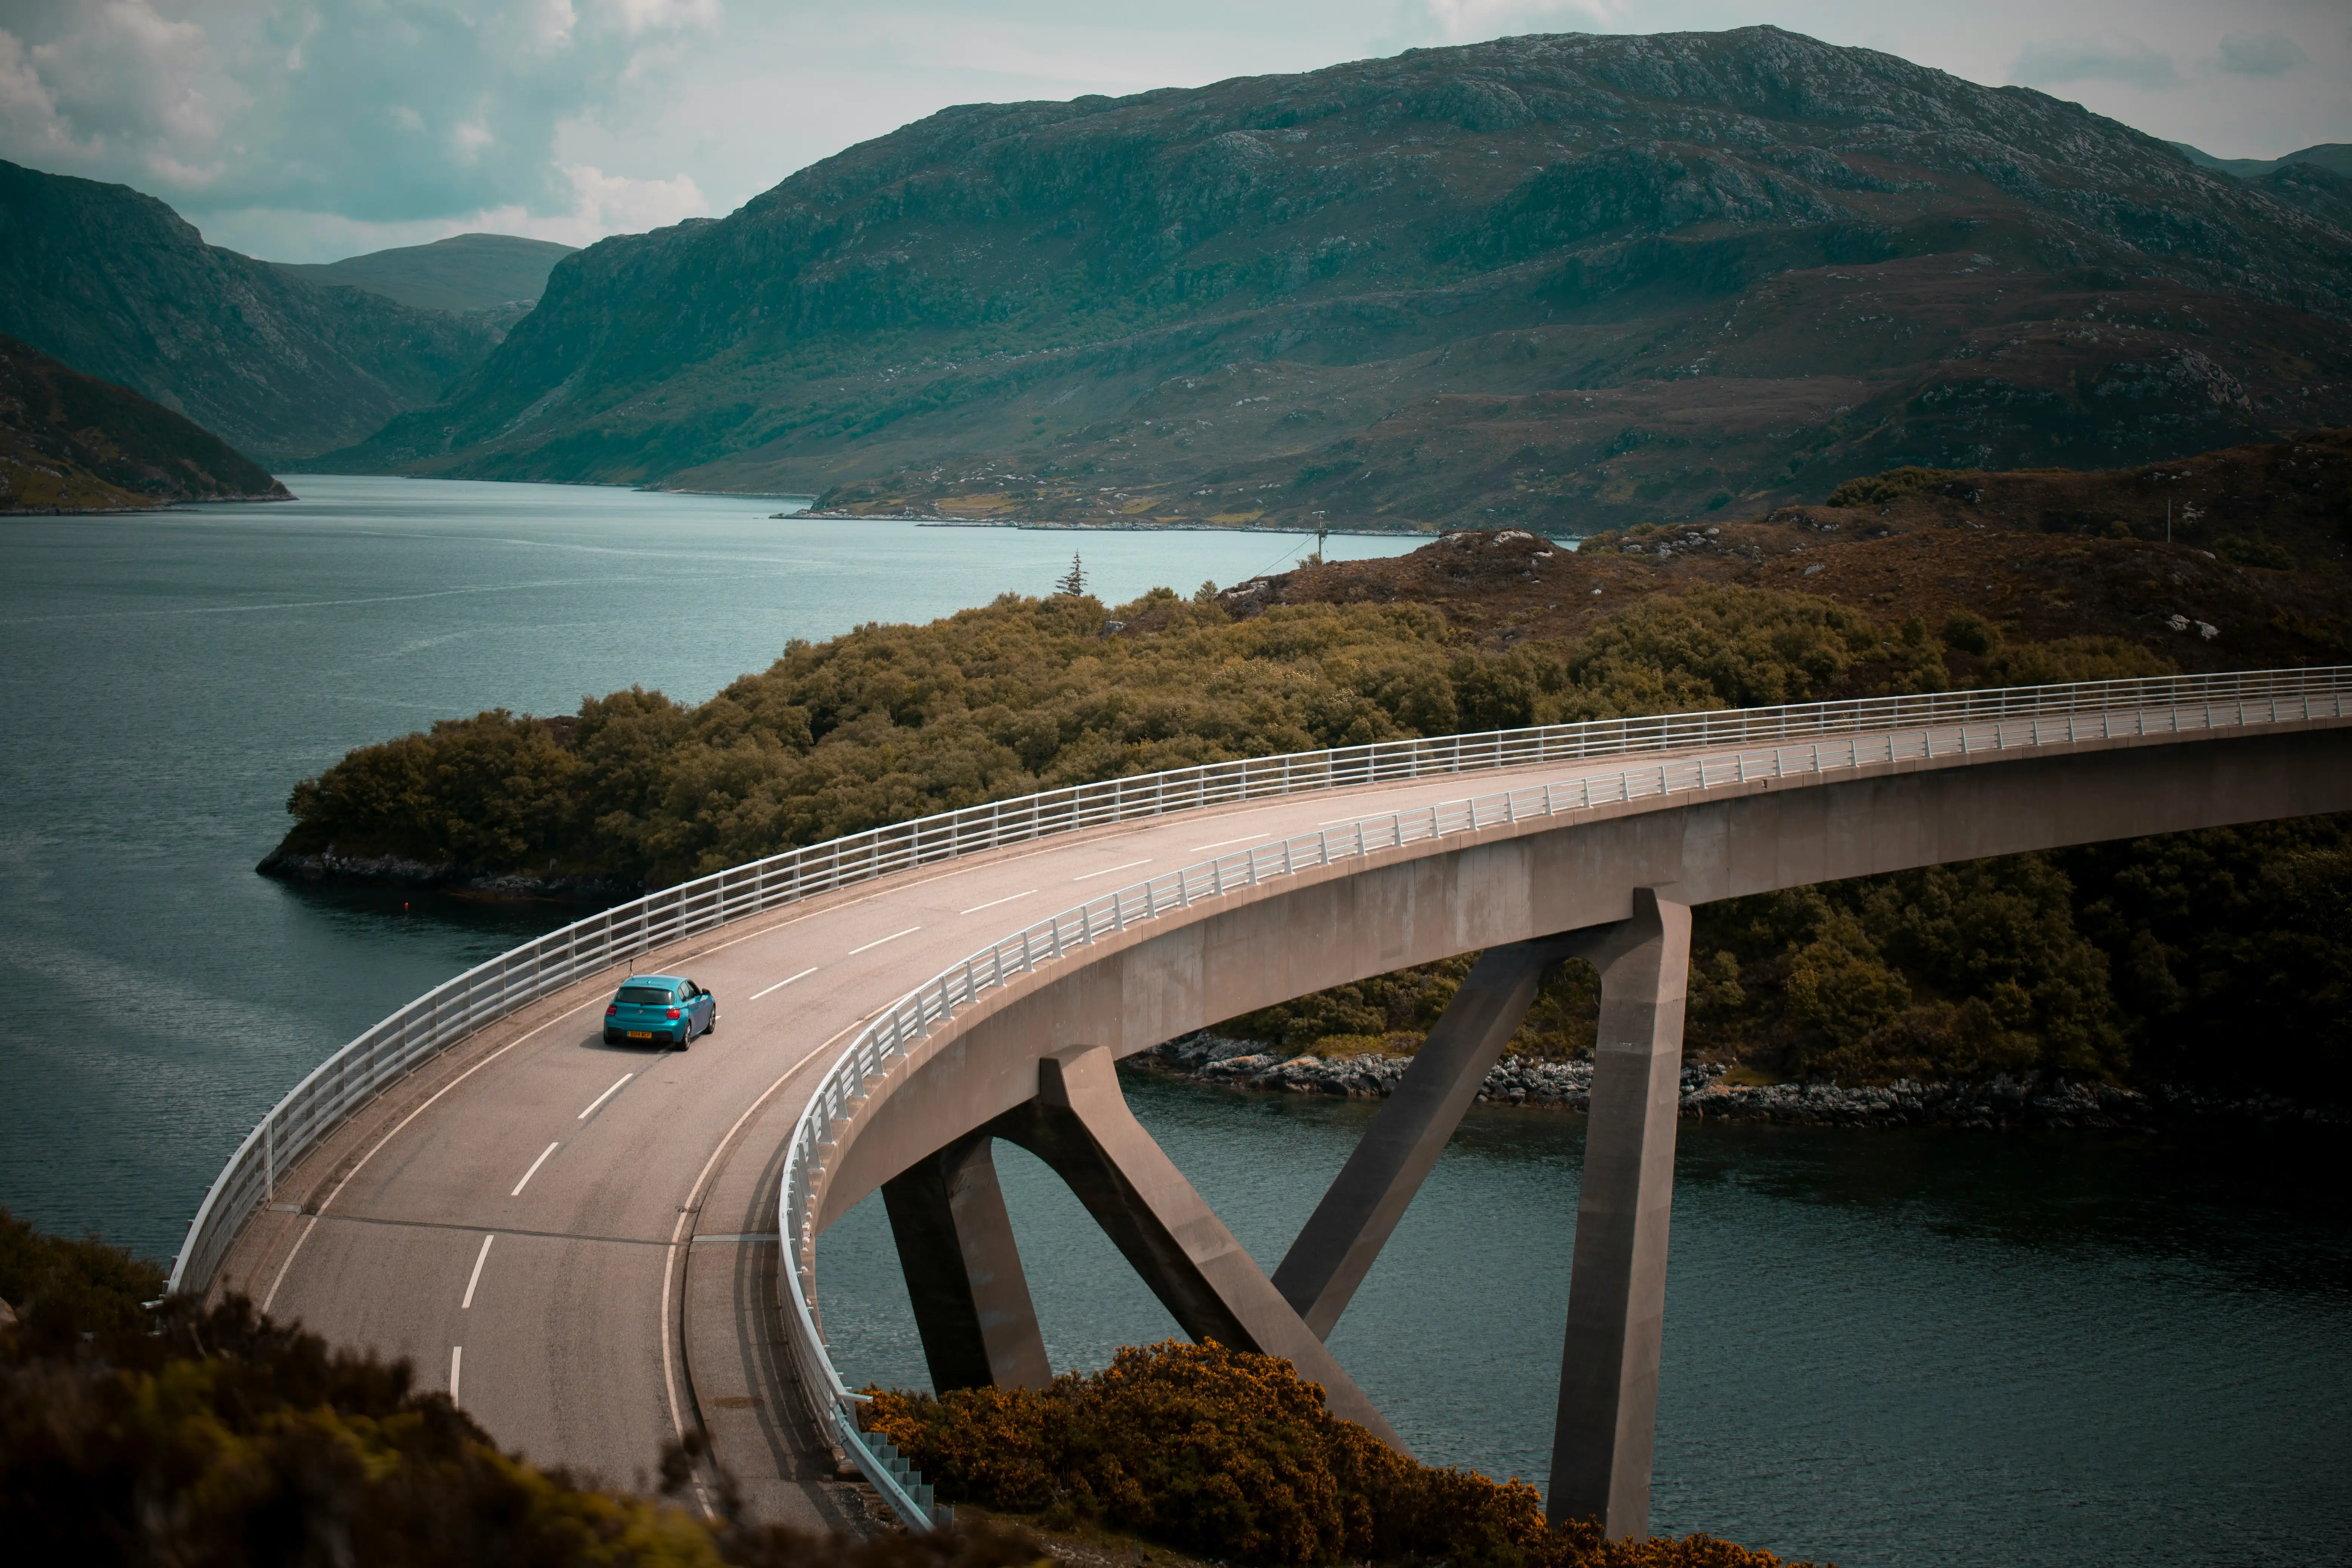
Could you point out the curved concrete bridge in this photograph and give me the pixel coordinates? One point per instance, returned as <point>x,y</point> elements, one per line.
<point>602,1249</point>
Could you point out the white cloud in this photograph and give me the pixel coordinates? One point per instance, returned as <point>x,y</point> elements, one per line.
<point>601,204</point>
<point>310,129</point>
<point>2261,54</point>
<point>2114,57</point>
<point>378,110</point>
<point>1465,21</point>
<point>615,204</point>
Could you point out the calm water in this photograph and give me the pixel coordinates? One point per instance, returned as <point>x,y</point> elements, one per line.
<point>167,678</point>
<point>1882,1348</point>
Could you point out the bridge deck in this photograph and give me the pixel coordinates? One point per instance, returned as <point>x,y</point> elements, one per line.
<point>629,1290</point>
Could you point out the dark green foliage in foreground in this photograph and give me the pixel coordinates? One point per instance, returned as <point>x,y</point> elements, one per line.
<point>1232,1455</point>
<point>896,721</point>
<point>197,1437</point>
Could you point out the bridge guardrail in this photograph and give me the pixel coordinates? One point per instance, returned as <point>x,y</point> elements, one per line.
<point>894,1032</point>
<point>392,1049</point>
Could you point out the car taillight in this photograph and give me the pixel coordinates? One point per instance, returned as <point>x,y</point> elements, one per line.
<point>615,1007</point>
<point>673,1011</point>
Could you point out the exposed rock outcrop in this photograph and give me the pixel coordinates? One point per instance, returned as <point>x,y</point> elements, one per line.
<point>2003,1101</point>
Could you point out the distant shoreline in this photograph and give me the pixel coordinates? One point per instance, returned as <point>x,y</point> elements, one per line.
<point>1109,527</point>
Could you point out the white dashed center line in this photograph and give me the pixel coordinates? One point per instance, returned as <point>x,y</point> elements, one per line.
<point>994,902</point>
<point>787,980</point>
<point>1220,843</point>
<point>603,1097</point>
<point>476,1277</point>
<point>535,1164</point>
<point>1107,870</point>
<point>456,1365</point>
<point>878,940</point>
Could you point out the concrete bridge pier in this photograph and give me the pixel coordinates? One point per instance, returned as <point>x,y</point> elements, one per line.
<point>1337,1245</point>
<point>1079,1124</point>
<point>1607,1422</point>
<point>963,1270</point>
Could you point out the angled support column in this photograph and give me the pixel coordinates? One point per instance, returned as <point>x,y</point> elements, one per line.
<point>963,1271</point>
<point>1080,1125</point>
<point>1617,1284</point>
<point>1335,1250</point>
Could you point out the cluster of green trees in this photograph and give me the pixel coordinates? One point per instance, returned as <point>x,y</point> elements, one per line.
<point>2100,963</point>
<point>188,1437</point>
<point>894,722</point>
<point>2220,958</point>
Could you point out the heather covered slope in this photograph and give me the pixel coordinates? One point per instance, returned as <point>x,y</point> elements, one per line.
<point>73,443</point>
<point>1566,280</point>
<point>116,285</point>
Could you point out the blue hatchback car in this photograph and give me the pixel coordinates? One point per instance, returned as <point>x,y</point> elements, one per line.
<point>667,1009</point>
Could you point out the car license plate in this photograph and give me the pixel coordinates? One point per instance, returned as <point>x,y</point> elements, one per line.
<point>641,1033</point>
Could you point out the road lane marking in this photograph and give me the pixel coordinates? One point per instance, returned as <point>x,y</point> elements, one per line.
<point>457,1365</point>
<point>476,1277</point>
<point>1220,843</point>
<point>1124,865</point>
<point>535,1164</point>
<point>742,1235</point>
<point>692,1207</point>
<point>603,1097</point>
<point>779,985</point>
<point>401,1126</point>
<point>878,940</point>
<point>994,902</point>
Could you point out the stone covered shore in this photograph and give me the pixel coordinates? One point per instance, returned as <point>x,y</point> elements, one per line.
<point>2003,1101</point>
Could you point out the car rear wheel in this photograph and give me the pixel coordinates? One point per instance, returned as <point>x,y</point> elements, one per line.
<point>685,1033</point>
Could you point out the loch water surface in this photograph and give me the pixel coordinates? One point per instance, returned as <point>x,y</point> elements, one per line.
<point>168,677</point>
<point>1883,1348</point>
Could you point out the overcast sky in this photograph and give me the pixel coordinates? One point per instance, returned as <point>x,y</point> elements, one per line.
<point>309,130</point>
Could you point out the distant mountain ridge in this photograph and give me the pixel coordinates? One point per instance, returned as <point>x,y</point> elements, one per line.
<point>463,274</point>
<point>2335,157</point>
<point>118,286</point>
<point>70,442</point>
<point>1569,281</point>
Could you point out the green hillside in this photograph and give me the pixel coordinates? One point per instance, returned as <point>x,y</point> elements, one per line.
<point>464,273</point>
<point>119,286</point>
<point>1572,281</point>
<point>73,443</point>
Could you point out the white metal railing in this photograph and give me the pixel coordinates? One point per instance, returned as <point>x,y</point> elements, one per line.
<point>2199,705</point>
<point>397,1047</point>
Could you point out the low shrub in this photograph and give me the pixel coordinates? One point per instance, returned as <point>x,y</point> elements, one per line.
<point>196,1436</point>
<point>1877,489</point>
<point>1232,1455</point>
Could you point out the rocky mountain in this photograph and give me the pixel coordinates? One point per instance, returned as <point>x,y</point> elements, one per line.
<point>119,286</point>
<point>1570,281</point>
<point>70,442</point>
<point>500,275</point>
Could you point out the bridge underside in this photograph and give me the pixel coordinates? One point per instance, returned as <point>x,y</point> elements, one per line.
<point>1035,1065</point>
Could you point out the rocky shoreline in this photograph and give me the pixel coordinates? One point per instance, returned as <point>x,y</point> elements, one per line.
<point>447,876</point>
<point>2033,1101</point>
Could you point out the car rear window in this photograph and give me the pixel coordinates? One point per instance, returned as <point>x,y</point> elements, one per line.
<point>646,995</point>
